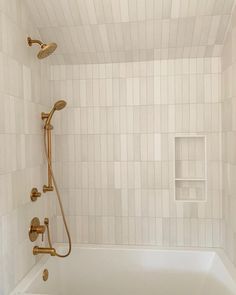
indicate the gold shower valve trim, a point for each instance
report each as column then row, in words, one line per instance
column 35, row 229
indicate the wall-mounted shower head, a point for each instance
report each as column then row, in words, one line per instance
column 46, row 49
column 59, row 105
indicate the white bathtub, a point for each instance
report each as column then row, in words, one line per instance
column 96, row 270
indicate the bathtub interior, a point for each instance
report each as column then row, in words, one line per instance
column 103, row 271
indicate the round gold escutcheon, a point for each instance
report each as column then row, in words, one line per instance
column 45, row 275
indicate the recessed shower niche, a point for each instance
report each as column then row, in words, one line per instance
column 190, row 169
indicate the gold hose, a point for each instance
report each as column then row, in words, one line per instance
column 60, row 204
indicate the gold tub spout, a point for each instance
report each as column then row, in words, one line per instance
column 39, row 250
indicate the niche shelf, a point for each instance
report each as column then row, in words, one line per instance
column 190, row 169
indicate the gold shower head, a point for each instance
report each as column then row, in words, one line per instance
column 59, row 105
column 46, row 49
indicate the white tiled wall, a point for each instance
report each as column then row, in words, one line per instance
column 124, row 31
column 22, row 98
column 114, row 147
column 229, row 140
column 115, row 153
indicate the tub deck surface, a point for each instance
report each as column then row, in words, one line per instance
column 104, row 270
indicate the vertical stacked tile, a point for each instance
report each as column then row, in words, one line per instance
column 115, row 150
column 228, row 140
column 129, row 31
column 24, row 93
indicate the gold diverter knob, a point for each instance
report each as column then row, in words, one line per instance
column 34, row 194
column 35, row 229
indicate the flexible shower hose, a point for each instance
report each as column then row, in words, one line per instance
column 60, row 204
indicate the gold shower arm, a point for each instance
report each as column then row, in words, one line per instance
column 33, row 41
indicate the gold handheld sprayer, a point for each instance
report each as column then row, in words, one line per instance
column 59, row 105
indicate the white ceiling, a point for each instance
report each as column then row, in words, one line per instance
column 101, row 31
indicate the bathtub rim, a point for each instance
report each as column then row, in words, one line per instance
column 26, row 281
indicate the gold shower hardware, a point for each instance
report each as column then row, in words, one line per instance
column 47, row 148
column 36, row 229
column 34, row 41
column 38, row 250
column 48, row 128
column 59, row 105
column 34, row 194
column 45, row 275
column 46, row 49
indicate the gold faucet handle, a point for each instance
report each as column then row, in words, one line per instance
column 35, row 194
column 46, row 223
column 42, row 237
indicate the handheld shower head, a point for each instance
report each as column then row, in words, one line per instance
column 59, row 105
